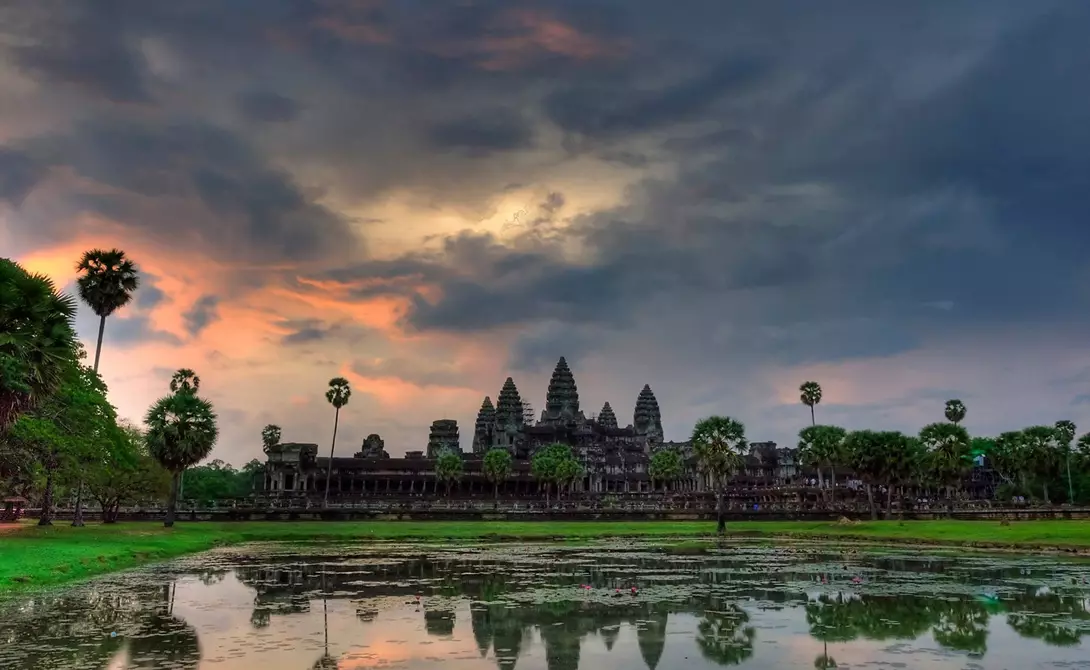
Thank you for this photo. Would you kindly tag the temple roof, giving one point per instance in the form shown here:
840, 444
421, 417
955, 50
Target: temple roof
606, 417
562, 397
509, 404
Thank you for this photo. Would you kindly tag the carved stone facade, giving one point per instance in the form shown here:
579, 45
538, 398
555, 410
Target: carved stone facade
443, 437
373, 447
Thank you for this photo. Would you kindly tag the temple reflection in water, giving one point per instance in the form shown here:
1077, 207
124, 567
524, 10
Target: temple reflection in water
557, 608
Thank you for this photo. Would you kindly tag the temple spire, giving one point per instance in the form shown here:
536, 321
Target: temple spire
647, 419
562, 398
606, 418
483, 428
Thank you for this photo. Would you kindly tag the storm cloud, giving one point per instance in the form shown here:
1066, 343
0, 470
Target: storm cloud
713, 201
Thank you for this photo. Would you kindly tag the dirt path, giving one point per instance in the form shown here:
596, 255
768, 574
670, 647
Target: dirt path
9, 527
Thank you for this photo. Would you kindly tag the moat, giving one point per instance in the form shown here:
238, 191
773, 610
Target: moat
556, 606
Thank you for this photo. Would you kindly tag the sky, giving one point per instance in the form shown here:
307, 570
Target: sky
719, 199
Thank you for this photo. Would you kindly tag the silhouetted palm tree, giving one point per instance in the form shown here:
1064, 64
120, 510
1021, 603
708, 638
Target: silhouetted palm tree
338, 394
810, 396
107, 284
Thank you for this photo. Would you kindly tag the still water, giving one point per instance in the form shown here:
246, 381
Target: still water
559, 607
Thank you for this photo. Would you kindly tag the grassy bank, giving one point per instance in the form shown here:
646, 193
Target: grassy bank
33, 556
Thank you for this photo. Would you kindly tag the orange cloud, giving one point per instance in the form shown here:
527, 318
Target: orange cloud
393, 392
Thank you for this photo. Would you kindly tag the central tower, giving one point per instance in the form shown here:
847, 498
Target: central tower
562, 398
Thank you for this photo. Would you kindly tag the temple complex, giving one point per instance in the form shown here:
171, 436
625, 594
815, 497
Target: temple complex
615, 459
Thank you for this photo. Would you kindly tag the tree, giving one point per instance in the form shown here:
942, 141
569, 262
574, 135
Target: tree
37, 340
545, 464
337, 395
1010, 459
865, 451
448, 468
1043, 451
497, 466
185, 380
270, 437
129, 475
68, 430
1065, 435
568, 471
108, 281
823, 446
181, 433
810, 396
955, 411
949, 455
719, 443
665, 466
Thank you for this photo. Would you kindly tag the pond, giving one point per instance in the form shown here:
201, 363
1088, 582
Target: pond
556, 606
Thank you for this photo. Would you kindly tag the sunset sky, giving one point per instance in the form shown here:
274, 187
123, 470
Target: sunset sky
719, 198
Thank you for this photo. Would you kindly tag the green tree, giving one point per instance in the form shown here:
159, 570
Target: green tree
1011, 459
181, 432
217, 481
821, 447
568, 471
128, 476
448, 468
955, 411
810, 394
1065, 435
270, 437
337, 395
545, 465
497, 466
665, 467
37, 340
68, 430
107, 281
719, 443
865, 451
1043, 451
949, 455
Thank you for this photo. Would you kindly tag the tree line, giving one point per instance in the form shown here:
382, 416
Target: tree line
58, 430
1043, 463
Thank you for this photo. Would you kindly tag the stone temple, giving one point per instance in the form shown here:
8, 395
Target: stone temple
614, 458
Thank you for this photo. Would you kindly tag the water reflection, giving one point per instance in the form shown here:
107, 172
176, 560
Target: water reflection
558, 608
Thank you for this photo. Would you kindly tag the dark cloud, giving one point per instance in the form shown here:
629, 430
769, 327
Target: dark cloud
305, 331
19, 174
201, 314
149, 296
268, 107
77, 44
485, 132
205, 179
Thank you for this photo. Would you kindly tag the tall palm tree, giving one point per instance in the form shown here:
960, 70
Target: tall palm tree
185, 380
955, 411
338, 394
1065, 435
810, 396
37, 339
109, 279
181, 433
719, 443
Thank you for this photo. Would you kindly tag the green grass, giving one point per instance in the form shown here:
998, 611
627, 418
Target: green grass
32, 557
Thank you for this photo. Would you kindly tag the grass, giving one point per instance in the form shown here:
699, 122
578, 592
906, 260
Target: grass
32, 557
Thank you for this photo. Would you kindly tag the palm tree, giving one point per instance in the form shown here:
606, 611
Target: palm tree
950, 457
1065, 434
811, 395
37, 340
338, 394
270, 437
181, 433
108, 282
823, 446
719, 442
185, 380
955, 411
